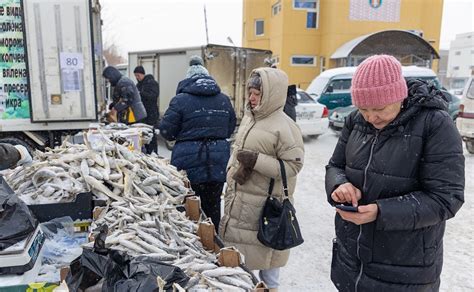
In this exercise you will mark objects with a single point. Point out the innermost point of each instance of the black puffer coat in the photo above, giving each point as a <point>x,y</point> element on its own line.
<point>414,170</point>
<point>149,92</point>
<point>125,96</point>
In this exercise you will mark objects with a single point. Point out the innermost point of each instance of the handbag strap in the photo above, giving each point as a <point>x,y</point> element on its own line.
<point>283,177</point>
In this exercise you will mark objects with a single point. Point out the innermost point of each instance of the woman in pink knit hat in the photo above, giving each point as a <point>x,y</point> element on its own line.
<point>400,161</point>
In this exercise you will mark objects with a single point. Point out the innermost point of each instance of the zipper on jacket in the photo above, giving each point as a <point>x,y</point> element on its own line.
<point>363,190</point>
<point>292,225</point>
<point>359,276</point>
<point>370,159</point>
<point>235,183</point>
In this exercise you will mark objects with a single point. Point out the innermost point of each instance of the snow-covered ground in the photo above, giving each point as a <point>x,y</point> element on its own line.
<point>309,266</point>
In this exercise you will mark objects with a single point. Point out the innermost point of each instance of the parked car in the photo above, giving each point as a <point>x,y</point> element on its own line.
<point>311,116</point>
<point>332,87</point>
<point>338,115</point>
<point>453,103</point>
<point>465,120</point>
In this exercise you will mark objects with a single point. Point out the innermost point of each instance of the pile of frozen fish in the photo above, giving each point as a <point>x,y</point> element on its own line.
<point>142,192</point>
<point>151,226</point>
<point>114,172</point>
<point>115,131</point>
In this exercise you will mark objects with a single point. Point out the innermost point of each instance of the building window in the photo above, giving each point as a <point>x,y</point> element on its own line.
<point>259,27</point>
<point>311,19</point>
<point>276,8</point>
<point>456,68</point>
<point>305,4</point>
<point>303,60</point>
<point>457,53</point>
<point>312,11</point>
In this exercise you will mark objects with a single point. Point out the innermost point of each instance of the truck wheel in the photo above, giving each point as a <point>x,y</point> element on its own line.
<point>470,146</point>
<point>170,145</point>
<point>18,141</point>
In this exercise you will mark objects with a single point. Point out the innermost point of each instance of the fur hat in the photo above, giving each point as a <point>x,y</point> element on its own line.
<point>254,81</point>
<point>378,81</point>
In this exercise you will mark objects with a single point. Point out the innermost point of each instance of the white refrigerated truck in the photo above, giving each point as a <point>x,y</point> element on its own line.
<point>50,69</point>
<point>230,66</point>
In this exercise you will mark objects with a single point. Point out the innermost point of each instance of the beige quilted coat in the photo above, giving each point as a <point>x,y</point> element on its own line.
<point>270,132</point>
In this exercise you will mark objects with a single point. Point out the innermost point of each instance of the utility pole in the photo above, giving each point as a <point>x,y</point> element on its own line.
<point>205,23</point>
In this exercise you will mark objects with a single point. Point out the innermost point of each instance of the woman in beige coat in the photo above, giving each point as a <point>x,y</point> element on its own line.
<point>265,135</point>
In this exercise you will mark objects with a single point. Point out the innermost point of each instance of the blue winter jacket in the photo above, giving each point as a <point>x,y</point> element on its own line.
<point>200,118</point>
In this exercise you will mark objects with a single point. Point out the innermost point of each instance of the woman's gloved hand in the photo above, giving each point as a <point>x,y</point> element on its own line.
<point>25,156</point>
<point>247,161</point>
<point>242,174</point>
<point>247,158</point>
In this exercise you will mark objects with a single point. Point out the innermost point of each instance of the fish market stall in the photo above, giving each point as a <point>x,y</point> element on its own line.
<point>139,224</point>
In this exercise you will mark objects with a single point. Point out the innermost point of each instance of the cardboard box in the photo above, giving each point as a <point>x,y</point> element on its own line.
<point>229,257</point>
<point>193,206</point>
<point>261,287</point>
<point>63,273</point>
<point>207,232</point>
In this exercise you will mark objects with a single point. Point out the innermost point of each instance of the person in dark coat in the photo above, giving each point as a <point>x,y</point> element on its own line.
<point>400,160</point>
<point>201,119</point>
<point>291,102</point>
<point>149,91</point>
<point>126,99</point>
<point>13,155</point>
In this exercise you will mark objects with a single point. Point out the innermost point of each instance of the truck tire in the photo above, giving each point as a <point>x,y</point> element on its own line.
<point>470,146</point>
<point>18,141</point>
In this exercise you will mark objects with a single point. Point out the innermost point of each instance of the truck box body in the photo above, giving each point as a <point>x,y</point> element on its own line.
<point>230,66</point>
<point>51,65</point>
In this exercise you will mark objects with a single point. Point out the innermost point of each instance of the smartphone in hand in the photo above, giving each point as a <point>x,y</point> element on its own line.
<point>347,208</point>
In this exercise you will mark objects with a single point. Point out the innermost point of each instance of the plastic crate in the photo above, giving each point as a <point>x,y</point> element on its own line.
<point>80,209</point>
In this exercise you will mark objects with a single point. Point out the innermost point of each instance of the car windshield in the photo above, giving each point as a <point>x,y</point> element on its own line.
<point>317,86</point>
<point>303,97</point>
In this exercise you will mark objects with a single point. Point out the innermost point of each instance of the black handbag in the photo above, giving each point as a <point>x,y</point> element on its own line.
<point>278,226</point>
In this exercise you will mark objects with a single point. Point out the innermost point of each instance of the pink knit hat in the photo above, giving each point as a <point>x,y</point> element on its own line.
<point>378,81</point>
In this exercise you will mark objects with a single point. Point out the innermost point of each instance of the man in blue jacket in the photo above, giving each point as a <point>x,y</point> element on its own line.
<point>201,118</point>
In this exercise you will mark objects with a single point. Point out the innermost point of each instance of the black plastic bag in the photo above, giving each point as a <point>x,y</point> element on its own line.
<point>120,271</point>
<point>142,272</point>
<point>16,220</point>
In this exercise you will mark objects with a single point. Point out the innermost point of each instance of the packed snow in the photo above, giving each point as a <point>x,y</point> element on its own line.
<point>310,264</point>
